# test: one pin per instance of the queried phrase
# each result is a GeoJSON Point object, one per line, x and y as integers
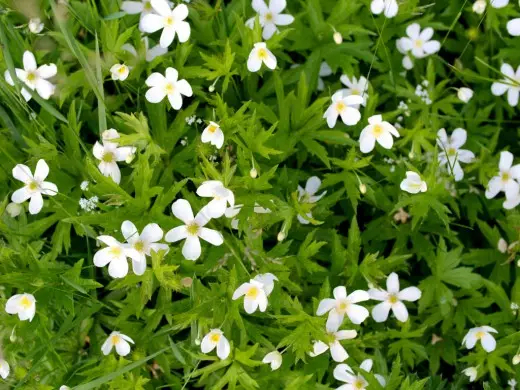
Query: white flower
{"type": "Point", "coordinates": [512, 383]}
{"type": "Point", "coordinates": [471, 373]}
{"type": "Point", "coordinates": [344, 106]}
{"type": "Point", "coordinates": [170, 21]}
{"type": "Point", "coordinates": [22, 304]}
{"type": "Point", "coordinates": [355, 87]}
{"type": "Point", "coordinates": [84, 185]}
{"type": "Point", "coordinates": [267, 281]}
{"type": "Point", "coordinates": [4, 369]}
{"type": "Point", "coordinates": [510, 84]}
{"type": "Point", "coordinates": [216, 338]}
{"type": "Point", "coordinates": [389, 7]}
{"type": "Point", "coordinates": [341, 305]}
{"type": "Point", "coordinates": [308, 195]}
{"type": "Point", "coordinates": [192, 230]}
{"type": "Point", "coordinates": [143, 244]}
{"type": "Point", "coordinates": [150, 53]}
{"type": "Point", "coordinates": [479, 6]}
{"type": "Point", "coordinates": [337, 351]}
{"type": "Point", "coordinates": [377, 130]}
{"type": "Point", "coordinates": [505, 180]}
{"type": "Point", "coordinates": [274, 359]}
{"type": "Point", "coordinates": [221, 197]}
{"type": "Point", "coordinates": [451, 153]}
{"type": "Point", "coordinates": [115, 254]}
{"type": "Point", "coordinates": [35, 186]}
{"type": "Point", "coordinates": [465, 94]}
{"type": "Point", "coordinates": [325, 71]}
{"type": "Point", "coordinates": [343, 372]}
{"type": "Point", "coordinates": [259, 54]}
{"type": "Point", "coordinates": [499, 3]}
{"type": "Point", "coordinates": [254, 296]}
{"type": "Point", "coordinates": [169, 85]}
{"type": "Point", "coordinates": [418, 42]}
{"type": "Point", "coordinates": [392, 299]}
{"type": "Point", "coordinates": [35, 25]}
{"type": "Point", "coordinates": [109, 154]}
{"type": "Point", "coordinates": [270, 16]}
{"type": "Point", "coordinates": [34, 77]}
{"type": "Point", "coordinates": [413, 183]}
{"type": "Point", "coordinates": [213, 134]}
{"type": "Point", "coordinates": [513, 27]}
{"type": "Point", "coordinates": [143, 7]}
{"type": "Point", "coordinates": [482, 333]}
{"type": "Point", "coordinates": [119, 72]}
{"type": "Point", "coordinates": [13, 209]}
{"type": "Point", "coordinates": [118, 340]}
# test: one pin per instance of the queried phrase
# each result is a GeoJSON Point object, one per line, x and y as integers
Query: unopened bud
{"type": "Point", "coordinates": [363, 188]}
{"type": "Point", "coordinates": [338, 38]}
{"type": "Point", "coordinates": [253, 173]}
{"type": "Point", "coordinates": [281, 236]}
{"type": "Point", "coordinates": [13, 209]}
{"type": "Point", "coordinates": [516, 359]}
{"type": "Point", "coordinates": [211, 88]}
{"type": "Point", "coordinates": [197, 341]}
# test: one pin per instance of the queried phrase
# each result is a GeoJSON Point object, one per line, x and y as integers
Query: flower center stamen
{"type": "Point", "coordinates": [505, 176]}
{"type": "Point", "coordinates": [170, 88]}
{"type": "Point", "coordinates": [25, 302]}
{"type": "Point", "coordinates": [193, 229]}
{"type": "Point", "coordinates": [33, 185]}
{"type": "Point", "coordinates": [393, 299]}
{"type": "Point", "coordinates": [215, 337]}
{"type": "Point", "coordinates": [108, 157]}
{"type": "Point", "coordinates": [418, 43]}
{"type": "Point", "coordinates": [480, 335]}
{"type": "Point", "coordinates": [377, 130]}
{"type": "Point", "coordinates": [31, 76]}
{"type": "Point", "coordinates": [139, 246]}
{"type": "Point", "coordinates": [355, 91]}
{"type": "Point", "coordinates": [269, 17]}
{"type": "Point", "coordinates": [452, 151]}
{"type": "Point", "coordinates": [252, 292]}
{"type": "Point", "coordinates": [358, 384]}
{"type": "Point", "coordinates": [342, 307]}
{"type": "Point", "coordinates": [212, 128]}
{"type": "Point", "coordinates": [262, 54]}
{"type": "Point", "coordinates": [169, 21]}
{"type": "Point", "coordinates": [340, 106]}
{"type": "Point", "coordinates": [116, 339]}
{"type": "Point", "coordinates": [115, 251]}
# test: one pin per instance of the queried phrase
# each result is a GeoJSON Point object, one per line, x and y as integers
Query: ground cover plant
{"type": "Point", "coordinates": [310, 194]}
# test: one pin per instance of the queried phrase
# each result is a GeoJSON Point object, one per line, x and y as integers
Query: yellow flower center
{"type": "Point", "coordinates": [480, 335]}
{"type": "Point", "coordinates": [139, 246]}
{"type": "Point", "coordinates": [170, 88]}
{"type": "Point", "coordinates": [340, 106]}
{"type": "Point", "coordinates": [108, 157]}
{"type": "Point", "coordinates": [215, 337]}
{"type": "Point", "coordinates": [252, 292]}
{"type": "Point", "coordinates": [505, 176]}
{"type": "Point", "coordinates": [122, 69]}
{"type": "Point", "coordinates": [269, 17]}
{"type": "Point", "coordinates": [193, 229]}
{"type": "Point", "coordinates": [31, 76]}
{"type": "Point", "coordinates": [262, 53]}
{"type": "Point", "coordinates": [115, 251]}
{"type": "Point", "coordinates": [355, 92]}
{"type": "Point", "coordinates": [25, 302]}
{"type": "Point", "coordinates": [33, 185]}
{"type": "Point", "coordinates": [452, 151]}
{"type": "Point", "coordinates": [377, 130]}
{"type": "Point", "coordinates": [358, 384]}
{"type": "Point", "coordinates": [212, 128]}
{"type": "Point", "coordinates": [169, 21]}
{"type": "Point", "coordinates": [393, 299]}
{"type": "Point", "coordinates": [418, 43]}
{"type": "Point", "coordinates": [116, 339]}
{"type": "Point", "coordinates": [342, 307]}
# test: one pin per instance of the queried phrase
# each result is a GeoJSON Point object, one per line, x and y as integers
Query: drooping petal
{"type": "Point", "coordinates": [366, 365]}
{"type": "Point", "coordinates": [400, 311]}
{"type": "Point", "coordinates": [512, 96]}
{"type": "Point", "coordinates": [380, 311]}
{"type": "Point", "coordinates": [385, 140]}
{"type": "Point", "coordinates": [494, 187]}
{"type": "Point", "coordinates": [513, 27]}
{"type": "Point", "coordinates": [156, 94]}
{"type": "Point", "coordinates": [207, 345]}
{"type": "Point", "coordinates": [270, 61]}
{"type": "Point", "coordinates": [498, 89]}
{"type": "Point", "coordinates": [338, 353]}
{"type": "Point", "coordinates": [122, 347]}
{"type": "Point", "coordinates": [343, 372]}
{"type": "Point", "coordinates": [367, 141]}
{"type": "Point", "coordinates": [167, 36]}
{"type": "Point", "coordinates": [175, 100]}
{"type": "Point", "coordinates": [13, 304]}
{"type": "Point", "coordinates": [350, 115]}
{"type": "Point", "coordinates": [332, 116]}
{"type": "Point", "coordinates": [118, 267]}
{"type": "Point", "coordinates": [191, 249]}
{"type": "Point", "coordinates": [254, 62]}
{"type": "Point", "coordinates": [184, 88]}
{"type": "Point", "coordinates": [488, 343]}
{"type": "Point", "coordinates": [325, 305]}
{"type": "Point", "coordinates": [269, 30]}
{"type": "Point", "coordinates": [318, 348]}
{"type": "Point", "coordinates": [47, 71]}
{"type": "Point", "coordinates": [139, 266]}
{"type": "Point", "coordinates": [223, 348]}
{"type": "Point", "coordinates": [36, 203]}
{"type": "Point", "coordinates": [44, 88]}
{"type": "Point", "coordinates": [241, 290]}
{"type": "Point", "coordinates": [107, 346]}
{"type": "Point", "coordinates": [511, 188]}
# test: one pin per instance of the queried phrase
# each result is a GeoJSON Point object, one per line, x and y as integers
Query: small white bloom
{"type": "Point", "coordinates": [192, 230]}
{"type": "Point", "coordinates": [221, 197]}
{"type": "Point", "coordinates": [13, 209]}
{"type": "Point", "coordinates": [84, 185]}
{"type": "Point", "coordinates": [143, 244]}
{"type": "Point", "coordinates": [389, 7]}
{"type": "Point", "coordinates": [471, 373]}
{"type": "Point", "coordinates": [482, 333]}
{"type": "Point", "coordinates": [151, 53]}
{"type": "Point", "coordinates": [119, 72]}
{"type": "Point", "coordinates": [337, 37]}
{"type": "Point", "coordinates": [392, 299]}
{"type": "Point", "coordinates": [274, 359]}
{"type": "Point", "coordinates": [513, 27]}
{"type": "Point", "coordinates": [325, 71]}
{"type": "Point", "coordinates": [213, 134]}
{"type": "Point", "coordinates": [502, 245]}
{"type": "Point", "coordinates": [343, 372]}
{"type": "Point", "coordinates": [4, 368]}
{"type": "Point", "coordinates": [337, 351]}
{"type": "Point", "coordinates": [512, 383]}
{"type": "Point", "coordinates": [216, 339]}
{"type": "Point", "coordinates": [170, 21]}
{"type": "Point", "coordinates": [35, 25]}
{"type": "Point", "coordinates": [115, 254]}
{"type": "Point", "coordinates": [377, 130]}
{"type": "Point", "coordinates": [22, 304]}
{"type": "Point", "coordinates": [35, 186]}
{"type": "Point", "coordinates": [510, 84]}
{"type": "Point", "coordinates": [505, 180]}
{"type": "Point", "coordinates": [270, 17]}
{"type": "Point", "coordinates": [308, 195]}
{"type": "Point", "coordinates": [118, 340]}
{"type": "Point", "coordinates": [418, 43]}
{"type": "Point", "coordinates": [413, 183]}
{"type": "Point", "coordinates": [465, 94]}
{"type": "Point", "coordinates": [479, 6]}
{"type": "Point", "coordinates": [343, 304]}
{"type": "Point", "coordinates": [355, 87]}
{"type": "Point", "coordinates": [168, 85]}
{"type": "Point", "coordinates": [254, 296]}
{"type": "Point", "coordinates": [344, 106]}
{"type": "Point", "coordinates": [88, 204]}
{"type": "Point", "coordinates": [109, 153]}
{"type": "Point", "coordinates": [260, 54]}
{"type": "Point", "coordinates": [34, 77]}
{"type": "Point", "coordinates": [451, 153]}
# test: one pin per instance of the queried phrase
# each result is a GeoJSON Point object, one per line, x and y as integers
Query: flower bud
{"type": "Point", "coordinates": [14, 209]}
{"type": "Point", "coordinates": [338, 38]}
{"type": "Point", "coordinates": [35, 25]}
{"type": "Point", "coordinates": [211, 88]}
{"type": "Point", "coordinates": [281, 236]}
{"type": "Point", "coordinates": [363, 188]}
{"type": "Point", "coordinates": [253, 173]}
{"type": "Point", "coordinates": [465, 94]}
{"type": "Point", "coordinates": [516, 359]}
{"type": "Point", "coordinates": [479, 6]}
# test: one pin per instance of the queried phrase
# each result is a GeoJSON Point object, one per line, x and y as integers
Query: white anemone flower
{"type": "Point", "coordinates": [13, 209]}
{"type": "Point", "coordinates": [407, 61]}
{"type": "Point", "coordinates": [109, 153]}
{"type": "Point", "coordinates": [221, 197]}
{"type": "Point", "coordinates": [216, 339]}
{"type": "Point", "coordinates": [35, 25]}
{"type": "Point", "coordinates": [34, 77]}
{"type": "Point", "coordinates": [377, 130]}
{"type": "Point", "coordinates": [344, 106]}
{"type": "Point", "coordinates": [143, 243]}
{"type": "Point", "coordinates": [213, 134]}
{"type": "Point", "coordinates": [22, 304]}
{"type": "Point", "coordinates": [119, 72]}
{"type": "Point", "coordinates": [168, 85]}
{"type": "Point", "coordinates": [170, 21]}
{"type": "Point", "coordinates": [4, 369]}
{"type": "Point", "coordinates": [254, 296]}
{"type": "Point", "coordinates": [343, 372]}
{"type": "Point", "coordinates": [465, 94]}
{"type": "Point", "coordinates": [356, 87]}
{"type": "Point", "coordinates": [270, 17]}
{"type": "Point", "coordinates": [273, 358]}
{"type": "Point", "coordinates": [482, 333]}
{"type": "Point", "coordinates": [479, 6]}
{"type": "Point", "coordinates": [510, 84]}
{"type": "Point", "coordinates": [471, 373]}
{"type": "Point", "coordinates": [115, 254]}
{"type": "Point", "coordinates": [308, 195]}
{"type": "Point", "coordinates": [120, 341]}
{"type": "Point", "coordinates": [506, 179]}
{"type": "Point", "coordinates": [192, 230]}
{"type": "Point", "coordinates": [392, 299]}
{"type": "Point", "coordinates": [413, 183]}
{"type": "Point", "coordinates": [337, 351]}
{"type": "Point", "coordinates": [260, 54]}
{"type": "Point", "coordinates": [451, 153]}
{"type": "Point", "coordinates": [151, 53]}
{"type": "Point", "coordinates": [513, 27]}
{"type": "Point", "coordinates": [325, 71]}
{"type": "Point", "coordinates": [34, 186]}
{"type": "Point", "coordinates": [343, 304]}
{"type": "Point", "coordinates": [388, 7]}
{"type": "Point", "coordinates": [419, 43]}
